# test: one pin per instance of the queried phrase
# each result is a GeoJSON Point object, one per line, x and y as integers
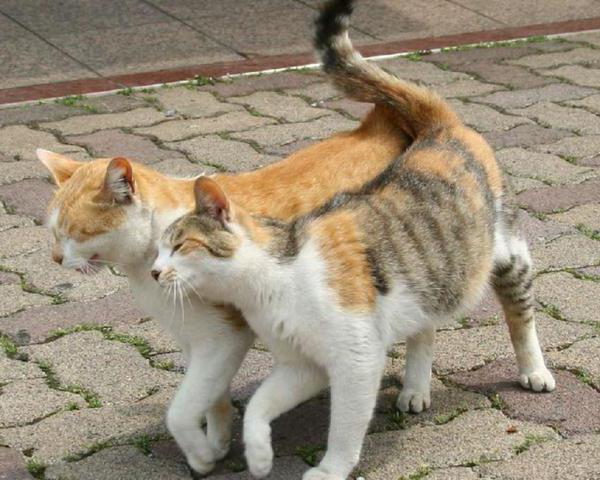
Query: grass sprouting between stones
{"type": "Point", "coordinates": [35, 468]}
{"type": "Point", "coordinates": [52, 381]}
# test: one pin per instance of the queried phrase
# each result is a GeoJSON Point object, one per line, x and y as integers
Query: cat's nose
{"type": "Point", "coordinates": [155, 274]}
{"type": "Point", "coordinates": [57, 257]}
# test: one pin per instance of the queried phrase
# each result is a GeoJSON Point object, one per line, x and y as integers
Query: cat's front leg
{"type": "Point", "coordinates": [204, 392]}
{"type": "Point", "coordinates": [286, 387]}
{"type": "Point", "coordinates": [415, 395]}
{"type": "Point", "coordinates": [354, 386]}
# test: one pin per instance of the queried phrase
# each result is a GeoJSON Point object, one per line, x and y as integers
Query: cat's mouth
{"type": "Point", "coordinates": [93, 265]}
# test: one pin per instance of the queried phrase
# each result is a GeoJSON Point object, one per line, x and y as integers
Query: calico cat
{"type": "Point", "coordinates": [330, 291]}
{"type": "Point", "coordinates": [113, 211]}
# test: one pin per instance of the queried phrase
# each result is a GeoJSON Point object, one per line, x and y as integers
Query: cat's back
{"type": "Point", "coordinates": [426, 223]}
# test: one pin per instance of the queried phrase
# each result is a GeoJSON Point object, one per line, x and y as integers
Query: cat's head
{"type": "Point", "coordinates": [95, 216]}
{"type": "Point", "coordinates": [200, 251]}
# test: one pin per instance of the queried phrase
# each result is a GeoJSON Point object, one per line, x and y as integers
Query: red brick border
{"type": "Point", "coordinates": [75, 87]}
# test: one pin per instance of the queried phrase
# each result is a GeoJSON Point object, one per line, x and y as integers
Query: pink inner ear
{"type": "Point", "coordinates": [123, 165]}
{"type": "Point", "coordinates": [211, 198]}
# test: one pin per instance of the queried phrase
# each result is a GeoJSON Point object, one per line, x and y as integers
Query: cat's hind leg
{"type": "Point", "coordinates": [415, 395]}
{"type": "Point", "coordinates": [286, 387]}
{"type": "Point", "coordinates": [512, 282]}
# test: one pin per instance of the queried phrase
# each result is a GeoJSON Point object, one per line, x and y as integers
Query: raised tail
{"type": "Point", "coordinates": [420, 110]}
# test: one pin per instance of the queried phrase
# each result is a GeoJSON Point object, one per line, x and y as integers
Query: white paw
{"type": "Point", "coordinates": [540, 380]}
{"type": "Point", "coordinates": [318, 474]}
{"type": "Point", "coordinates": [199, 465]}
{"type": "Point", "coordinates": [221, 451]}
{"type": "Point", "coordinates": [259, 456]}
{"type": "Point", "coordinates": [220, 444]}
{"type": "Point", "coordinates": [413, 401]}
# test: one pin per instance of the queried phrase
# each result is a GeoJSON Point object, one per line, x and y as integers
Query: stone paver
{"type": "Point", "coordinates": [557, 116]}
{"type": "Point", "coordinates": [224, 154]}
{"type": "Point", "coordinates": [574, 459]}
{"type": "Point", "coordinates": [87, 359]}
{"type": "Point", "coordinates": [290, 109]}
{"type": "Point", "coordinates": [589, 77]}
{"type": "Point", "coordinates": [578, 300]}
{"type": "Point", "coordinates": [556, 409]}
{"type": "Point", "coordinates": [12, 466]}
{"type": "Point", "coordinates": [114, 143]}
{"type": "Point", "coordinates": [486, 119]}
{"type": "Point", "coordinates": [466, 349]}
{"type": "Point", "coordinates": [541, 166]}
{"type": "Point", "coordinates": [28, 401]}
{"type": "Point", "coordinates": [537, 105]}
{"type": "Point", "coordinates": [483, 437]}
{"type": "Point", "coordinates": [191, 103]}
{"type": "Point", "coordinates": [228, 122]}
{"type": "Point", "coordinates": [90, 123]}
{"type": "Point", "coordinates": [119, 462]}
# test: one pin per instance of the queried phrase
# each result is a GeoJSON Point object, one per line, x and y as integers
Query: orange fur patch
{"type": "Point", "coordinates": [348, 272]}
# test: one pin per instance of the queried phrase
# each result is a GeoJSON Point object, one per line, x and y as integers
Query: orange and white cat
{"type": "Point", "coordinates": [330, 291]}
{"type": "Point", "coordinates": [115, 210]}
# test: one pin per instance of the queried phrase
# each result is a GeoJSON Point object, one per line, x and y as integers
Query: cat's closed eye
{"type": "Point", "coordinates": [176, 247]}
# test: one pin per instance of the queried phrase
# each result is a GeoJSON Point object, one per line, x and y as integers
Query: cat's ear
{"type": "Point", "coordinates": [211, 199]}
{"type": "Point", "coordinates": [119, 185]}
{"type": "Point", "coordinates": [61, 167]}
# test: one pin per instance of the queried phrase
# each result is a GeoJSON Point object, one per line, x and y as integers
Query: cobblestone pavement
{"type": "Point", "coordinates": [85, 379]}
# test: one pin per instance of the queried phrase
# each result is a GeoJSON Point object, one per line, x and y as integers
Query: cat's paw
{"type": "Point", "coordinates": [318, 474]}
{"type": "Point", "coordinates": [540, 380]}
{"type": "Point", "coordinates": [413, 401]}
{"type": "Point", "coordinates": [201, 466]}
{"type": "Point", "coordinates": [259, 456]}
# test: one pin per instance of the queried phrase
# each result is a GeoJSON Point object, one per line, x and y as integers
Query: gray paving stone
{"type": "Point", "coordinates": [587, 37]}
{"type": "Point", "coordinates": [551, 199]}
{"type": "Point", "coordinates": [455, 473]}
{"type": "Point", "coordinates": [24, 240]}
{"type": "Point", "coordinates": [45, 112]}
{"type": "Point", "coordinates": [466, 349]}
{"type": "Point", "coordinates": [125, 462]}
{"type": "Point", "coordinates": [591, 103]}
{"type": "Point", "coordinates": [486, 119]}
{"type": "Point", "coordinates": [8, 221]}
{"type": "Point", "coordinates": [589, 77]}
{"type": "Point", "coordinates": [224, 154]}
{"type": "Point", "coordinates": [13, 172]}
{"type": "Point", "coordinates": [517, 185]}
{"type": "Point", "coordinates": [281, 134]}
{"type": "Point", "coordinates": [29, 197]}
{"type": "Point", "coordinates": [13, 299]}
{"type": "Point", "coordinates": [584, 146]}
{"type": "Point", "coordinates": [24, 402]}
{"type": "Point", "coordinates": [458, 58]}
{"type": "Point", "coordinates": [466, 88]}
{"type": "Point", "coordinates": [157, 337]}
{"type": "Point", "coordinates": [556, 92]}
{"type": "Point", "coordinates": [582, 356]}
{"type": "Point", "coordinates": [355, 109]}
{"type": "Point", "coordinates": [542, 166]}
{"type": "Point", "coordinates": [509, 75]}
{"type": "Point", "coordinates": [87, 359]}
{"type": "Point", "coordinates": [192, 103]}
{"type": "Point", "coordinates": [524, 136]}
{"type": "Point", "coordinates": [573, 459]}
{"type": "Point", "coordinates": [479, 434]}
{"type": "Point", "coordinates": [284, 468]}
{"type": "Point", "coordinates": [40, 271]}
{"type": "Point", "coordinates": [548, 60]}
{"type": "Point", "coordinates": [316, 92]}
{"type": "Point", "coordinates": [19, 142]}
{"type": "Point", "coordinates": [588, 215]}
{"type": "Point", "coordinates": [76, 432]}
{"type": "Point", "coordinates": [7, 278]}
{"type": "Point", "coordinates": [114, 143]}
{"type": "Point", "coordinates": [36, 325]}
{"type": "Point", "coordinates": [253, 83]}
{"type": "Point", "coordinates": [90, 123]}
{"type": "Point", "coordinates": [569, 251]}
{"type": "Point", "coordinates": [229, 122]}
{"type": "Point", "coordinates": [422, 72]}
{"type": "Point", "coordinates": [256, 367]}
{"type": "Point", "coordinates": [578, 300]}
{"type": "Point", "coordinates": [12, 466]}
{"type": "Point", "coordinates": [576, 120]}
{"type": "Point", "coordinates": [182, 168]}
{"type": "Point", "coordinates": [538, 232]}
{"type": "Point", "coordinates": [109, 103]}
{"type": "Point", "coordinates": [287, 108]}
{"type": "Point", "coordinates": [570, 408]}
{"type": "Point", "coordinates": [11, 369]}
